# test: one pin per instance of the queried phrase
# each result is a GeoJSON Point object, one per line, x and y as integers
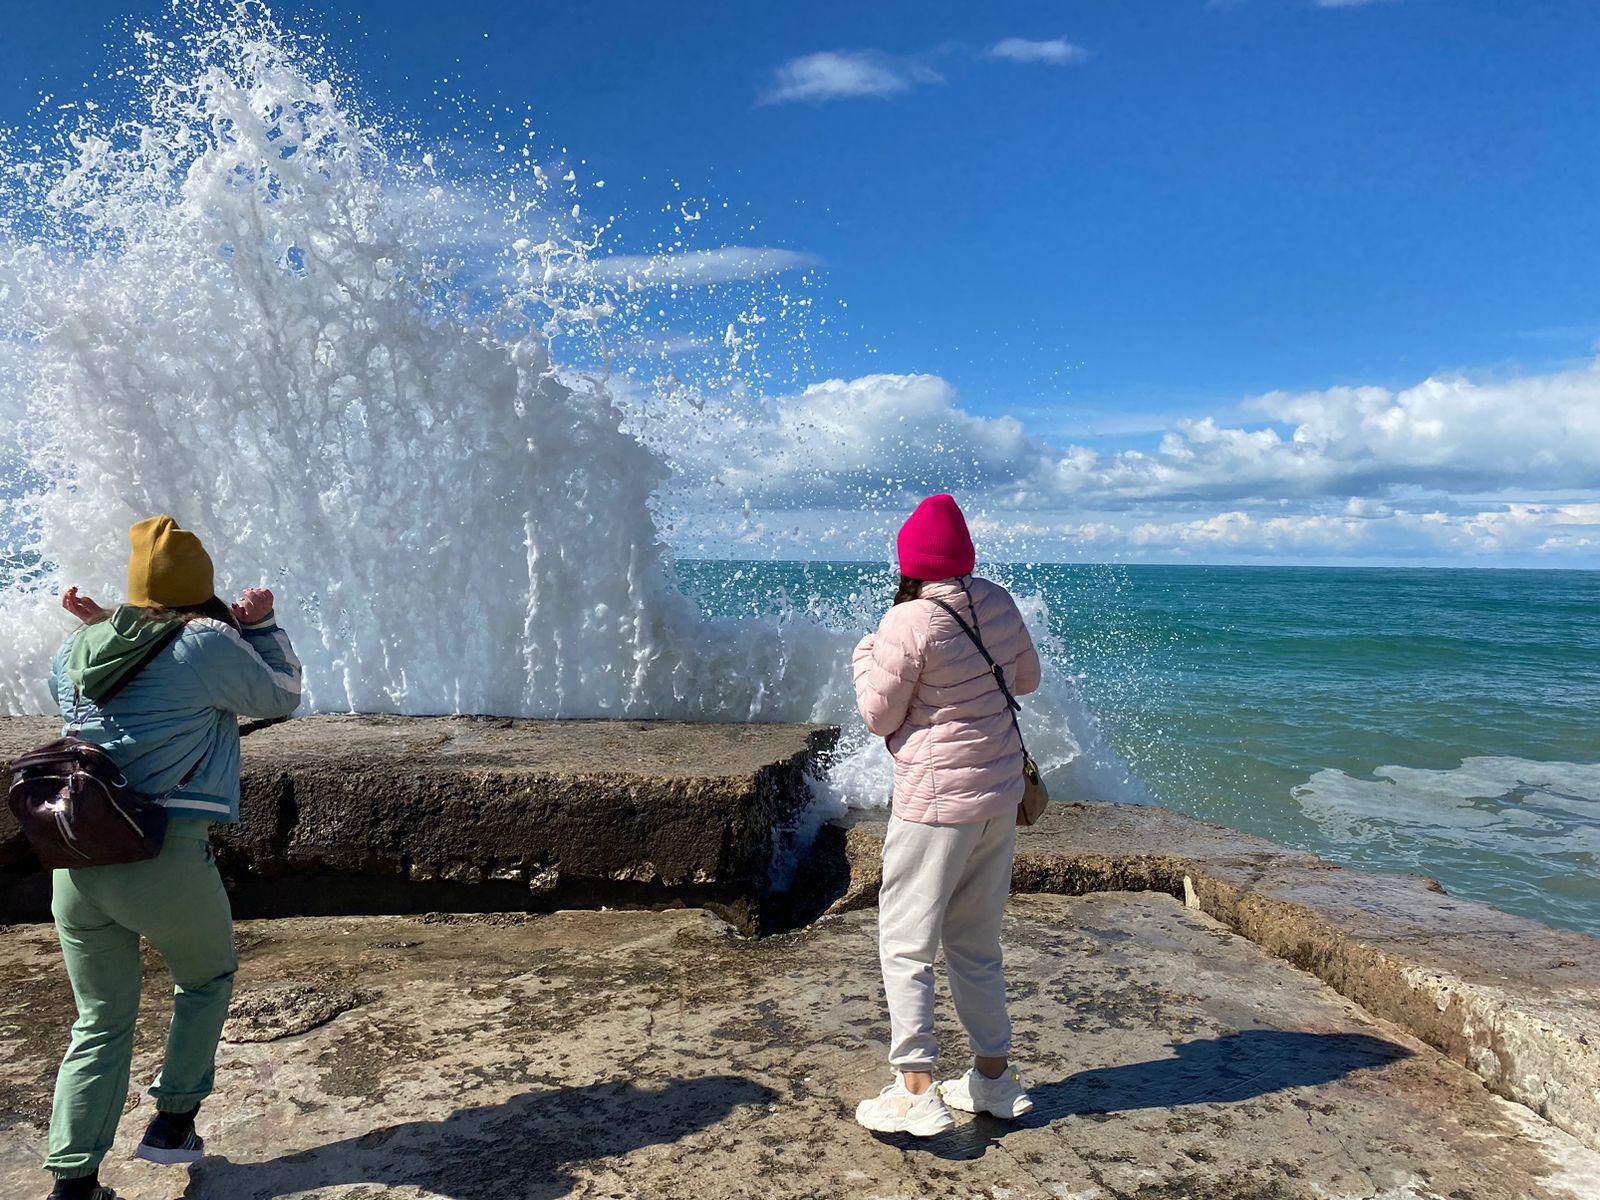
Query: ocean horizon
{"type": "Point", "coordinates": [1366, 714]}
{"type": "Point", "coordinates": [1355, 712]}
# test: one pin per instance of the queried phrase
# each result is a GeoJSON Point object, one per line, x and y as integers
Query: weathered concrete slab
{"type": "Point", "coordinates": [382, 814]}
{"type": "Point", "coordinates": [657, 1055]}
{"type": "Point", "coordinates": [1515, 1000]}
{"type": "Point", "coordinates": [389, 814]}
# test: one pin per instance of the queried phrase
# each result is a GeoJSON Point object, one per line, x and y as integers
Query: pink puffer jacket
{"type": "Point", "coordinates": [921, 683]}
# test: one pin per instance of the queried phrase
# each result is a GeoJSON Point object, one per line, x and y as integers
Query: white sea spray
{"type": "Point", "coordinates": [240, 299]}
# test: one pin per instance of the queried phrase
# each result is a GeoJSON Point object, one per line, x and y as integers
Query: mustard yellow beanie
{"type": "Point", "coordinates": [168, 567]}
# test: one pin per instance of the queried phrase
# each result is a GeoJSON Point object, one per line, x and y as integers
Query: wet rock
{"type": "Point", "coordinates": [282, 1010]}
{"type": "Point", "coordinates": [375, 814]}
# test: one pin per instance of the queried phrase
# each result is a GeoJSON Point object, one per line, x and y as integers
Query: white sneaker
{"type": "Point", "coordinates": [975, 1092]}
{"type": "Point", "coordinates": [895, 1110]}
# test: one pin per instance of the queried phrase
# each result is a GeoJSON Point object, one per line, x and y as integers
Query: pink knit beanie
{"type": "Point", "coordinates": [934, 543]}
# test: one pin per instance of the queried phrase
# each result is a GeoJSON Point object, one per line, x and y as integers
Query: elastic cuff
{"type": "Point", "coordinates": [178, 1106]}
{"type": "Point", "coordinates": [266, 625]}
{"type": "Point", "coordinates": [73, 1172]}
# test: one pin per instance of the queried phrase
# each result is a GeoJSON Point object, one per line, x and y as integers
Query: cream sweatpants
{"type": "Point", "coordinates": [945, 884]}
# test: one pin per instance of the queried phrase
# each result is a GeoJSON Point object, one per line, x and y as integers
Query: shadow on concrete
{"type": "Point", "coordinates": [1222, 1070]}
{"type": "Point", "coordinates": [520, 1148]}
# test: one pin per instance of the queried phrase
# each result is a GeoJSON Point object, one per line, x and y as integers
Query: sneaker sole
{"type": "Point", "coordinates": [923, 1127]}
{"type": "Point", "coordinates": [168, 1158]}
{"type": "Point", "coordinates": [965, 1105]}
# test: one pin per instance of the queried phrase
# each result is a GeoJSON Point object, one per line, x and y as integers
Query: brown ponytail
{"type": "Point", "coordinates": [215, 609]}
{"type": "Point", "coordinates": [909, 589]}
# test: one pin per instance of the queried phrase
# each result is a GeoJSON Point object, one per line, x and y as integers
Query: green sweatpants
{"type": "Point", "coordinates": [177, 902]}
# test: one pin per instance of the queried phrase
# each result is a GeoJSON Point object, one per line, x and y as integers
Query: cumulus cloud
{"type": "Point", "coordinates": [1056, 52]}
{"type": "Point", "coordinates": [840, 442]}
{"type": "Point", "coordinates": [721, 265]}
{"type": "Point", "coordinates": [1448, 469]}
{"type": "Point", "coordinates": [1550, 532]}
{"type": "Point", "coordinates": [1506, 534]}
{"type": "Point", "coordinates": [846, 74]}
{"type": "Point", "coordinates": [1447, 434]}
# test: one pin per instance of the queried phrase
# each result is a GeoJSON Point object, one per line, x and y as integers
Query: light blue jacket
{"type": "Point", "coordinates": [174, 729]}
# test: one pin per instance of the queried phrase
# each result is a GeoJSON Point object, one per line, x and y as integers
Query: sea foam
{"type": "Point", "coordinates": [239, 300]}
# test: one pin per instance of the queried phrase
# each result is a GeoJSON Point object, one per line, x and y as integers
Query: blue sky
{"type": "Point", "coordinates": [1104, 220]}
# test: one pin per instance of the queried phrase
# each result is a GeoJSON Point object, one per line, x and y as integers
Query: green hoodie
{"type": "Point", "coordinates": [107, 652]}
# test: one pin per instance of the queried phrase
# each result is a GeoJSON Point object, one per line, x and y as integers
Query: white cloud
{"type": "Point", "coordinates": [666, 343]}
{"type": "Point", "coordinates": [1516, 534]}
{"type": "Point", "coordinates": [1526, 531]}
{"type": "Point", "coordinates": [1448, 470]}
{"type": "Point", "coordinates": [838, 443]}
{"type": "Point", "coordinates": [1450, 434]}
{"type": "Point", "coordinates": [1347, 3]}
{"type": "Point", "coordinates": [1057, 52]}
{"type": "Point", "coordinates": [846, 74]}
{"type": "Point", "coordinates": [721, 265]}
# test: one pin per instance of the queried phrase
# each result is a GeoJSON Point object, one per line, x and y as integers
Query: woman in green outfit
{"type": "Point", "coordinates": [175, 667]}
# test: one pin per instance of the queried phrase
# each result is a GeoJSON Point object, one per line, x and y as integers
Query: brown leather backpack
{"type": "Point", "coordinates": [77, 809]}
{"type": "Point", "coordinates": [74, 804]}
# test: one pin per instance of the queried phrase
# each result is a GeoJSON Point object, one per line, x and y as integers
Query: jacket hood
{"type": "Point", "coordinates": [105, 653]}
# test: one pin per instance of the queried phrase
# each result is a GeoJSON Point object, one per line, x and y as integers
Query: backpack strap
{"type": "Point", "coordinates": [995, 669]}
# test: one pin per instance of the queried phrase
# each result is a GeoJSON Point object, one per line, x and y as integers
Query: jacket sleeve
{"type": "Point", "coordinates": [1024, 674]}
{"type": "Point", "coordinates": [60, 685]}
{"type": "Point", "coordinates": [252, 672]}
{"type": "Point", "coordinates": [886, 666]}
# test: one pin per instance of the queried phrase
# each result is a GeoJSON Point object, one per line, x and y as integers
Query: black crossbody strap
{"type": "Point", "coordinates": [156, 648]}
{"type": "Point", "coordinates": [149, 657]}
{"type": "Point", "coordinates": [994, 668]}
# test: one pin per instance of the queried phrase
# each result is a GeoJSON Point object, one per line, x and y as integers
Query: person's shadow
{"type": "Point", "coordinates": [1222, 1070]}
{"type": "Point", "coordinates": [519, 1148]}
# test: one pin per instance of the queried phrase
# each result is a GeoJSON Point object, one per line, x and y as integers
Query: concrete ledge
{"type": "Point", "coordinates": [1514, 1000]}
{"type": "Point", "coordinates": [386, 814]}
{"type": "Point", "coordinates": [392, 814]}
{"type": "Point", "coordinates": [652, 1055]}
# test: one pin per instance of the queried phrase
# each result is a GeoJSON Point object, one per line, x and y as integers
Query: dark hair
{"type": "Point", "coordinates": [909, 589]}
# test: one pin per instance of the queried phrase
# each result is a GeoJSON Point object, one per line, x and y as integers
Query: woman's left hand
{"type": "Point", "coordinates": [255, 604]}
{"type": "Point", "coordinates": [81, 607]}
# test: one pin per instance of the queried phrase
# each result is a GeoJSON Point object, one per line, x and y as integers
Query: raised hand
{"type": "Point", "coordinates": [252, 606]}
{"type": "Point", "coordinates": [81, 607]}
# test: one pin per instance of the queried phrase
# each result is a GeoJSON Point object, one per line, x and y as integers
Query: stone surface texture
{"type": "Point", "coordinates": [386, 814]}
{"type": "Point", "coordinates": [659, 1055]}
{"type": "Point", "coordinates": [1514, 1000]}
{"type": "Point", "coordinates": [398, 815]}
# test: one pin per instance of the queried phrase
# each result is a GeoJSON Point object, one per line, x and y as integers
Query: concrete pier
{"type": "Point", "coordinates": [659, 1055]}
{"type": "Point", "coordinates": [1200, 1013]}
{"type": "Point", "coordinates": [1515, 1001]}
{"type": "Point", "coordinates": [376, 814]}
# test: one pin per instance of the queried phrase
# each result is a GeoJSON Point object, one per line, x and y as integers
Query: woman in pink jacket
{"type": "Point", "coordinates": [924, 687]}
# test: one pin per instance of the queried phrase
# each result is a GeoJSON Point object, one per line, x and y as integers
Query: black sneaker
{"type": "Point", "coordinates": [86, 1189]}
{"type": "Point", "coordinates": [171, 1140]}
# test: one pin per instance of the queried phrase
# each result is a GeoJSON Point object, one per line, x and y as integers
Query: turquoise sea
{"type": "Point", "coordinates": [1442, 722]}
